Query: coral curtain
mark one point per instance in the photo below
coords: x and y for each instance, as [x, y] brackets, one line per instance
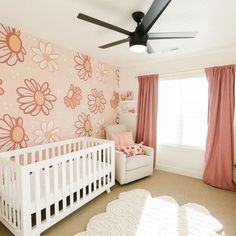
[219, 154]
[147, 110]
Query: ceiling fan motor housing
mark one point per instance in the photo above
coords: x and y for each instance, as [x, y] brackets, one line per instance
[137, 38]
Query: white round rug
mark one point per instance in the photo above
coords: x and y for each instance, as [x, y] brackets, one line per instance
[136, 213]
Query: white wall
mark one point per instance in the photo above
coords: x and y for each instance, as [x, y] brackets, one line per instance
[184, 161]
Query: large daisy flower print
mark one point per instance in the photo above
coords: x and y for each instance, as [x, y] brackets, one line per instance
[83, 65]
[96, 101]
[35, 98]
[83, 125]
[101, 72]
[11, 46]
[12, 133]
[73, 97]
[45, 57]
[47, 133]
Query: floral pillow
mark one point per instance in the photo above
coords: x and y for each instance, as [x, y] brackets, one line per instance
[132, 150]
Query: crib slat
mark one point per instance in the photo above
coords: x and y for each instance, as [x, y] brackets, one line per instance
[77, 171]
[99, 169]
[37, 196]
[71, 174]
[9, 194]
[84, 175]
[55, 184]
[18, 203]
[63, 185]
[6, 197]
[108, 164]
[113, 164]
[95, 171]
[89, 173]
[103, 167]
[47, 193]
[13, 174]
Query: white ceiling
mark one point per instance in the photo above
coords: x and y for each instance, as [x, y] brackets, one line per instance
[56, 21]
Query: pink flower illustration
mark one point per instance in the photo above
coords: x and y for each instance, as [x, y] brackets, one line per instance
[73, 97]
[45, 57]
[83, 65]
[35, 98]
[12, 133]
[83, 125]
[96, 101]
[11, 46]
[47, 133]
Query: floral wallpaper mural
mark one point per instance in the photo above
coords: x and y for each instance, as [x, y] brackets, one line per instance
[49, 93]
[44, 56]
[12, 133]
[12, 49]
[35, 98]
[83, 66]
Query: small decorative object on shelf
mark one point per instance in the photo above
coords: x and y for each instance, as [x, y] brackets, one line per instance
[127, 96]
[128, 109]
[131, 110]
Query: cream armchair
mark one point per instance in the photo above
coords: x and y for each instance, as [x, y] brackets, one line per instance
[131, 168]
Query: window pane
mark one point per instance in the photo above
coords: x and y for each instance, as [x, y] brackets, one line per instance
[194, 131]
[168, 131]
[182, 112]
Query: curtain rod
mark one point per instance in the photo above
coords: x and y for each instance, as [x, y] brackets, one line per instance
[195, 70]
[167, 74]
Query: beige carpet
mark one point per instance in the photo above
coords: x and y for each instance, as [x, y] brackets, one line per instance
[221, 203]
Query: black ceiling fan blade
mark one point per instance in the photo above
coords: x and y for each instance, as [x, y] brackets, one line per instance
[102, 23]
[150, 50]
[114, 43]
[154, 12]
[172, 35]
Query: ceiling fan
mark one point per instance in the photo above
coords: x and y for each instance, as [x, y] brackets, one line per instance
[138, 39]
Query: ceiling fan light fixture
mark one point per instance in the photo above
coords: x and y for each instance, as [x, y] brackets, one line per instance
[138, 48]
[138, 42]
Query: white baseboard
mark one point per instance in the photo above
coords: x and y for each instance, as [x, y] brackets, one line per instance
[179, 171]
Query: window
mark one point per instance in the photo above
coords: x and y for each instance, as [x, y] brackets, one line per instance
[182, 112]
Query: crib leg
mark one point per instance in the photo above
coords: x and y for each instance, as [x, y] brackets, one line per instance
[108, 190]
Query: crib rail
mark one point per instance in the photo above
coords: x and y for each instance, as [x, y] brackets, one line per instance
[33, 154]
[43, 184]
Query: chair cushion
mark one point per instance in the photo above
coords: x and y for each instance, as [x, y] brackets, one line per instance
[113, 129]
[138, 161]
[123, 139]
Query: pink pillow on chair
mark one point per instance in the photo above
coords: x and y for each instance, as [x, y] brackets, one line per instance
[133, 150]
[123, 139]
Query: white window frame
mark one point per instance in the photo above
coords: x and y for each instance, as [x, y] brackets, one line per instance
[180, 76]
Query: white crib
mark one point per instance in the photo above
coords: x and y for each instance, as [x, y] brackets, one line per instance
[41, 185]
